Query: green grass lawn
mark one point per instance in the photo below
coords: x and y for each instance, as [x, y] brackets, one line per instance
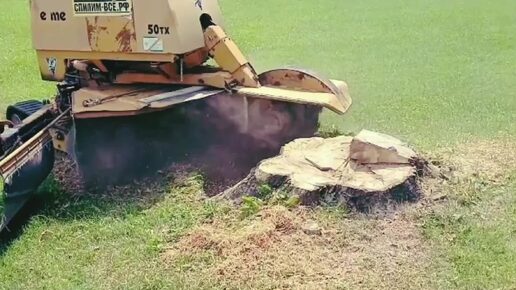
[435, 73]
[480, 239]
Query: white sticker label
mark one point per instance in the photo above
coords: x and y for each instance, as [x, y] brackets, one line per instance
[102, 7]
[153, 44]
[52, 65]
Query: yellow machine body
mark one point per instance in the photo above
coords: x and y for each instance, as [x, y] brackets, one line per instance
[136, 89]
[131, 30]
[141, 42]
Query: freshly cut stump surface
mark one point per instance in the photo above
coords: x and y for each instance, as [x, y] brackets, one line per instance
[357, 170]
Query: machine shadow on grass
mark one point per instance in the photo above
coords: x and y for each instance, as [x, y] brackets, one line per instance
[99, 191]
[52, 202]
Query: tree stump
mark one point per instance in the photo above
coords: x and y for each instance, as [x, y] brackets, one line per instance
[361, 170]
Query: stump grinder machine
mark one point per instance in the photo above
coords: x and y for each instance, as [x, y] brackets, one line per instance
[139, 81]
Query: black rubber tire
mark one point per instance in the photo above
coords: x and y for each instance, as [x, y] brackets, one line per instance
[15, 119]
[22, 110]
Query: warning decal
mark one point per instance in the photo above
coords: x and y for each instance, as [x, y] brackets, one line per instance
[102, 7]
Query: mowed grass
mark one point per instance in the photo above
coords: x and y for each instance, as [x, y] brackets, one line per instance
[434, 73]
[479, 240]
[103, 243]
[431, 72]
[19, 73]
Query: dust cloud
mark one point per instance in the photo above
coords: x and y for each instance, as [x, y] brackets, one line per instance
[223, 136]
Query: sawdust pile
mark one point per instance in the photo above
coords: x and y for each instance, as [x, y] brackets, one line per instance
[487, 161]
[490, 158]
[276, 250]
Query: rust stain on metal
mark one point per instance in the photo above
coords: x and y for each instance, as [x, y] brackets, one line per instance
[124, 38]
[325, 87]
[94, 29]
[91, 29]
